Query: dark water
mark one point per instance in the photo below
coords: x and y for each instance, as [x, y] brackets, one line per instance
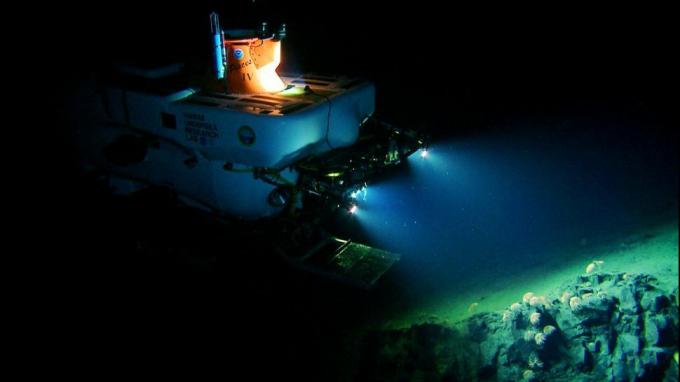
[505, 198]
[541, 141]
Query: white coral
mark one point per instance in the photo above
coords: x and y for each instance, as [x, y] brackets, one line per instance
[575, 303]
[594, 266]
[549, 329]
[529, 335]
[527, 297]
[539, 300]
[512, 313]
[565, 297]
[540, 339]
[535, 318]
[534, 362]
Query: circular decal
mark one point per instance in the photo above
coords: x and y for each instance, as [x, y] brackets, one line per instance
[246, 135]
[238, 54]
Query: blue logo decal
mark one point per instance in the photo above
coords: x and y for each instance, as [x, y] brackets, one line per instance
[238, 54]
[246, 135]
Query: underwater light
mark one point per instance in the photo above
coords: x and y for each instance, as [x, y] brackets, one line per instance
[353, 209]
[360, 191]
[269, 79]
[423, 153]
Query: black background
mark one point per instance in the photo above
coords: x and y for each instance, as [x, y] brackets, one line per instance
[498, 54]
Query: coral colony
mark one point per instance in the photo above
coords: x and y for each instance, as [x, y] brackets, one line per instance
[594, 265]
[601, 326]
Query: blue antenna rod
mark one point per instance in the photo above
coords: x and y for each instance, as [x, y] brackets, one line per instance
[218, 39]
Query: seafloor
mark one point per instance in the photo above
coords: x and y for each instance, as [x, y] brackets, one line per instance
[476, 333]
[652, 250]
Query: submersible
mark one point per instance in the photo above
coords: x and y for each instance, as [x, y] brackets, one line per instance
[251, 145]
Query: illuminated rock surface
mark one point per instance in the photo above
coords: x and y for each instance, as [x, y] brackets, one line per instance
[626, 328]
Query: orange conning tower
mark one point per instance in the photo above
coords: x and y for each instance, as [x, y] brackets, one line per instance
[251, 65]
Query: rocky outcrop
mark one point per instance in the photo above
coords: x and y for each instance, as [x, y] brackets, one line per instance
[601, 327]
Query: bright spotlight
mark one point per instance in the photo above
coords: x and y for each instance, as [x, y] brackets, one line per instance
[359, 192]
[423, 153]
[353, 209]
